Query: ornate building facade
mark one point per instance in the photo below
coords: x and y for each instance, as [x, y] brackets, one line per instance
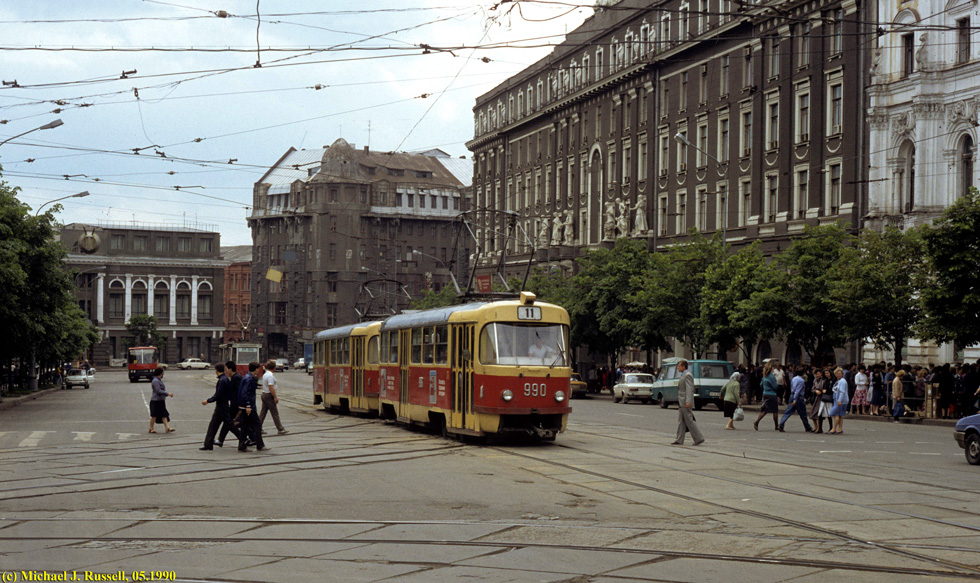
[173, 273]
[349, 232]
[924, 98]
[654, 119]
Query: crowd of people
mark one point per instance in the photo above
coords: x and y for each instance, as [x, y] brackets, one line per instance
[871, 390]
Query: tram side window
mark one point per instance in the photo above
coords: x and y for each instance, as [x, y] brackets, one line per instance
[417, 345]
[333, 351]
[428, 347]
[346, 351]
[442, 344]
[393, 354]
[385, 346]
[373, 349]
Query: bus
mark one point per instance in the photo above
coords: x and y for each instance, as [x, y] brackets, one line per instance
[142, 362]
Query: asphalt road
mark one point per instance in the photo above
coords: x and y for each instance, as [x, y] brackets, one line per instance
[84, 488]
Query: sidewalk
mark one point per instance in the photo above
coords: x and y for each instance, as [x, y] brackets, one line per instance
[9, 402]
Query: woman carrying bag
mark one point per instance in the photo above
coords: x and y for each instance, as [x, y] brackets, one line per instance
[730, 396]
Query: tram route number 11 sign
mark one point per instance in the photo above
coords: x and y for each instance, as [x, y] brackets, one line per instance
[529, 313]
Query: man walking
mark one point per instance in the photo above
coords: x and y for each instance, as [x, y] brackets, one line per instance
[685, 398]
[270, 400]
[251, 426]
[222, 409]
[797, 401]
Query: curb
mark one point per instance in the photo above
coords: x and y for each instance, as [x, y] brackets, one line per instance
[9, 402]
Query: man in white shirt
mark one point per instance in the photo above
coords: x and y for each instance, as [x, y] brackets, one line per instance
[539, 350]
[269, 398]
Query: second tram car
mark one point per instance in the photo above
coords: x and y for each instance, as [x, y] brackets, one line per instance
[241, 353]
[474, 369]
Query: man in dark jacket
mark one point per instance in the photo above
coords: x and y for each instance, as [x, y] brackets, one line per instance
[222, 409]
[246, 404]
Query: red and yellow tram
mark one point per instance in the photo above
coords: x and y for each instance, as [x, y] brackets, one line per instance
[472, 369]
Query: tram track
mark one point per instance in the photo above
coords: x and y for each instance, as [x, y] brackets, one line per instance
[656, 554]
[959, 568]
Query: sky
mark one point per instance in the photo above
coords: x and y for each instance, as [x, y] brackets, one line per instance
[172, 111]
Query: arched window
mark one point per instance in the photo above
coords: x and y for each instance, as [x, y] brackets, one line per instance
[183, 300]
[964, 162]
[117, 298]
[139, 298]
[161, 301]
[204, 305]
[905, 177]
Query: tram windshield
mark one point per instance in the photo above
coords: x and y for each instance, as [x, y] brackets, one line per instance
[247, 354]
[524, 344]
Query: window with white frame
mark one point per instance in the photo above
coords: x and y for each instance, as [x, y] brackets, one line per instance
[801, 201]
[702, 144]
[725, 75]
[685, 21]
[664, 97]
[627, 160]
[833, 187]
[772, 122]
[662, 163]
[611, 169]
[586, 70]
[745, 139]
[641, 169]
[664, 31]
[963, 40]
[702, 16]
[571, 176]
[837, 32]
[773, 56]
[722, 204]
[642, 106]
[803, 44]
[771, 197]
[745, 201]
[598, 63]
[803, 114]
[748, 71]
[662, 216]
[682, 150]
[723, 137]
[703, 84]
[682, 104]
[701, 211]
[681, 211]
[835, 103]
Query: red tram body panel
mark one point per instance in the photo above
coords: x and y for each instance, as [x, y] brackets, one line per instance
[473, 369]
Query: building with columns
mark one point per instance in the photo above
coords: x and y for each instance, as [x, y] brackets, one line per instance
[175, 273]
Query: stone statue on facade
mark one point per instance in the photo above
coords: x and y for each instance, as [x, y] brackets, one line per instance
[922, 55]
[556, 225]
[640, 221]
[623, 221]
[609, 225]
[569, 228]
[543, 234]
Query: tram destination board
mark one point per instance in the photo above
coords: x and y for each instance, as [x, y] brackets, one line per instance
[528, 313]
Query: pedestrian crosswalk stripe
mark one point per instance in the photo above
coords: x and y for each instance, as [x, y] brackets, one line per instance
[83, 435]
[34, 438]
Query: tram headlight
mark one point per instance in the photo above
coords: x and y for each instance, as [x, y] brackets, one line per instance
[559, 396]
[507, 395]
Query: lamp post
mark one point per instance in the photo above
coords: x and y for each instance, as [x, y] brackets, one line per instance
[47, 126]
[724, 224]
[81, 194]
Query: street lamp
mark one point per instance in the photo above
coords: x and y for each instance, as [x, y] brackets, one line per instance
[724, 224]
[81, 194]
[444, 266]
[47, 126]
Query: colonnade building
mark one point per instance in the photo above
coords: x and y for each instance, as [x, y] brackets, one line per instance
[174, 273]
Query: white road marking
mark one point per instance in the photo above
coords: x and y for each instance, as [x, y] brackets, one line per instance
[836, 451]
[115, 471]
[125, 436]
[83, 435]
[34, 438]
[889, 442]
[923, 453]
[631, 415]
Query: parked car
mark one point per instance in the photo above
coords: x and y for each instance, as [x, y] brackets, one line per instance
[633, 386]
[282, 364]
[193, 363]
[76, 378]
[300, 364]
[709, 377]
[309, 367]
[579, 388]
[967, 435]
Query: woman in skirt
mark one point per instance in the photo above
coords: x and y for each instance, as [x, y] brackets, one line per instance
[770, 397]
[840, 403]
[730, 395]
[823, 400]
[158, 402]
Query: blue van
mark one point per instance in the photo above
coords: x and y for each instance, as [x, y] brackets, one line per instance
[709, 377]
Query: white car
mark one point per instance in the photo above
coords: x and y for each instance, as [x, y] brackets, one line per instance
[634, 386]
[76, 378]
[193, 363]
[300, 364]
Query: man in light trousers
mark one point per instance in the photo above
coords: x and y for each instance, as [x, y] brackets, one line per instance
[685, 400]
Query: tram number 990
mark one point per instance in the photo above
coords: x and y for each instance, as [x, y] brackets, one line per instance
[535, 390]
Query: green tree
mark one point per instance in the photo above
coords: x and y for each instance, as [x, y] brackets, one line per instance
[143, 328]
[800, 296]
[435, 299]
[39, 316]
[875, 287]
[670, 292]
[951, 292]
[727, 307]
[602, 304]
